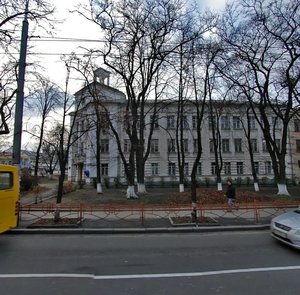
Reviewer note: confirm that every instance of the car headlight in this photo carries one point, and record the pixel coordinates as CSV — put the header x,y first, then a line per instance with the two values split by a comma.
x,y
297,232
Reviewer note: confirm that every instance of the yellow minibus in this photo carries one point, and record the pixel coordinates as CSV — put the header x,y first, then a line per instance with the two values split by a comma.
x,y
9,197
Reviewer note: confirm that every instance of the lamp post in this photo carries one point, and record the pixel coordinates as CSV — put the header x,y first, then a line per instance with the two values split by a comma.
x,y
20,92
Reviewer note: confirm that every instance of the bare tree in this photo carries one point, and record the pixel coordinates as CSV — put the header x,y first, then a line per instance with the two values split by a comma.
x,y
49,152
7,92
11,11
39,12
263,37
43,99
140,36
65,134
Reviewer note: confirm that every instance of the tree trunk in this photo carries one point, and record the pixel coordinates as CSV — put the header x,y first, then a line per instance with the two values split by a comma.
x,y
141,187
130,194
256,186
181,187
99,188
282,189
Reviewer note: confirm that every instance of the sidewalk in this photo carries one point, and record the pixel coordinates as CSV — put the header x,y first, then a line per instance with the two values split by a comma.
x,y
115,220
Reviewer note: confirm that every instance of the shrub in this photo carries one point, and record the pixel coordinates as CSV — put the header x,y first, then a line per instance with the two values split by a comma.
x,y
117,182
106,182
28,181
69,187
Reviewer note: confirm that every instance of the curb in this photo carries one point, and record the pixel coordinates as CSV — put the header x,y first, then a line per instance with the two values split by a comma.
x,y
202,229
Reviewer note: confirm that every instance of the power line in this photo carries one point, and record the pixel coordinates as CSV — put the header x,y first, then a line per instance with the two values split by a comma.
x,y
46,53
65,39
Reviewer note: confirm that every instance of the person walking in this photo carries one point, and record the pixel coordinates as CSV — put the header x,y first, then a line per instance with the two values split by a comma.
x,y
230,194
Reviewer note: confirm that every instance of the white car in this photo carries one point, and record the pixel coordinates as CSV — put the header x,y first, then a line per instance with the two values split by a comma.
x,y
286,228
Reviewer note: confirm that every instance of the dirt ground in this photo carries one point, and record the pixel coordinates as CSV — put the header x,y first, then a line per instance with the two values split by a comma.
x,y
170,195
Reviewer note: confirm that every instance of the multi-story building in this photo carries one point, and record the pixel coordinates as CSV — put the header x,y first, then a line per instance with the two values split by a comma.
x,y
161,165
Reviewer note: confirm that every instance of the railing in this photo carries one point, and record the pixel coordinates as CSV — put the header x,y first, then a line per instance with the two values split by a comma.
x,y
144,215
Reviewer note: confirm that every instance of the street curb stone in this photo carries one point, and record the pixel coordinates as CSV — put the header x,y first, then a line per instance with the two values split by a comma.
x,y
195,229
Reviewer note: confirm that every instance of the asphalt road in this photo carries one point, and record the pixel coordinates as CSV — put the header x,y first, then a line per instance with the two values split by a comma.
x,y
195,263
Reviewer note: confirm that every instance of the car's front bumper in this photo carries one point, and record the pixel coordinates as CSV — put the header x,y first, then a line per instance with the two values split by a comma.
x,y
288,238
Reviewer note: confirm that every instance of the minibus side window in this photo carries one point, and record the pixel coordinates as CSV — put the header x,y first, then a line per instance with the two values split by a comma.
x,y
6,180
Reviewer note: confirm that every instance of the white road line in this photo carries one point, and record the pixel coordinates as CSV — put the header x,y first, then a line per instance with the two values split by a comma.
x,y
148,276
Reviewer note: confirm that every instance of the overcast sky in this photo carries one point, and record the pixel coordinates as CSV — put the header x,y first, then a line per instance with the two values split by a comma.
x,y
49,52
75,26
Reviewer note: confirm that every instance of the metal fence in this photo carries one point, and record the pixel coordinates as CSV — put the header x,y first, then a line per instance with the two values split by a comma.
x,y
143,215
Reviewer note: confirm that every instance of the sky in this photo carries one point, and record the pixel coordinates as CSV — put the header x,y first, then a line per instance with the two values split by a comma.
x,y
75,27
48,52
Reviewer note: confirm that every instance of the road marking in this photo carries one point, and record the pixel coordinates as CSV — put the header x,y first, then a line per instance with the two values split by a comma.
x,y
148,276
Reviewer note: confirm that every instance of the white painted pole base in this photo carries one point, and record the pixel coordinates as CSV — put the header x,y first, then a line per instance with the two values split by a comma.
x,y
256,187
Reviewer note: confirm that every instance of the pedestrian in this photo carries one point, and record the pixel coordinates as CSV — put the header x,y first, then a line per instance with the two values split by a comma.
x,y
230,194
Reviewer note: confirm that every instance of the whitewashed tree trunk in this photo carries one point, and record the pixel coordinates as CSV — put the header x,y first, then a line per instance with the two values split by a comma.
x,y
181,187
99,188
131,193
219,185
256,187
141,187
282,189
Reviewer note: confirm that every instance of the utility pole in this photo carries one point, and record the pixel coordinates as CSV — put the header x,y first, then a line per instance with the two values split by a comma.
x,y
20,92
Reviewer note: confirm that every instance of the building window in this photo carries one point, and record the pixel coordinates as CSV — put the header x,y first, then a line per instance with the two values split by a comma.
x,y
213,168
212,122
264,145
275,123
171,146
186,169
195,145
154,120
256,167
154,169
240,168
277,143
211,146
170,122
126,145
238,145
253,142
297,125
185,122
236,122
81,148
185,143
194,122
104,120
225,122
172,169
252,122
225,145
199,169
104,145
104,169
298,145
227,168
154,146
268,167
